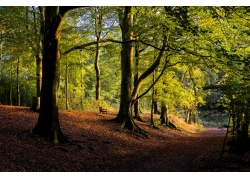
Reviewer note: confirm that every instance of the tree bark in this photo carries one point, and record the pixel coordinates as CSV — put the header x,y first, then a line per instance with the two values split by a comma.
x,y
17,83
48,121
66,84
136,77
10,91
1,57
125,111
127,99
97,69
188,114
38,50
98,32
165,119
152,104
164,114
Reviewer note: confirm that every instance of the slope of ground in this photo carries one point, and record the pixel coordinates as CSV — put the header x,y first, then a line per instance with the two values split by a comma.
x,y
98,145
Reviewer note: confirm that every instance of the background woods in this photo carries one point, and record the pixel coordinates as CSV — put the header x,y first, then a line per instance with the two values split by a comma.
x,y
190,62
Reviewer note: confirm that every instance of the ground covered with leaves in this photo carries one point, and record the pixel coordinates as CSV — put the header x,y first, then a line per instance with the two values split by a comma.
x,y
98,145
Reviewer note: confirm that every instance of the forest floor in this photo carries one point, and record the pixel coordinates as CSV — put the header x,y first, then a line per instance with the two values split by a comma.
x,y
98,145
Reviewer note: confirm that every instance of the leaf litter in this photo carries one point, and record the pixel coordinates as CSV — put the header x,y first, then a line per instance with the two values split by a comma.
x,y
98,145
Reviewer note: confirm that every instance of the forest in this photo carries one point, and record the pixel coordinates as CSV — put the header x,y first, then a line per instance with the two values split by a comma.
x,y
190,62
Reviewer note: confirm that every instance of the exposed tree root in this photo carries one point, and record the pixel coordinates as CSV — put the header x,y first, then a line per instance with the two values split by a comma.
x,y
52,136
172,126
138,118
135,129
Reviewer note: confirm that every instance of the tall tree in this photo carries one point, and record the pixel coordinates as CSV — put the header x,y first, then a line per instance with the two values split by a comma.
x,y
129,97
48,121
98,33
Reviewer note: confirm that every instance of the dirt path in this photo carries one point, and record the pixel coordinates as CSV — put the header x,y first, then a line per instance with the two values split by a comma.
x,y
187,154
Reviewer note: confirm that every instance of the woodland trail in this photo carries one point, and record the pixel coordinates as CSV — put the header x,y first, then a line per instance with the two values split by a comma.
x,y
98,145
187,153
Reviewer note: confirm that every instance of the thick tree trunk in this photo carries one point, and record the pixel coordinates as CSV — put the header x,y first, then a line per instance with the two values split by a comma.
x,y
48,121
125,117
125,112
127,98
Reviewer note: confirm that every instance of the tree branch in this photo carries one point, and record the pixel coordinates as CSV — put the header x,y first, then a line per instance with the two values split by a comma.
x,y
105,41
149,70
150,87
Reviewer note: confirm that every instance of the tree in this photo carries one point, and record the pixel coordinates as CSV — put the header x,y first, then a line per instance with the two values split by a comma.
x,y
129,97
48,121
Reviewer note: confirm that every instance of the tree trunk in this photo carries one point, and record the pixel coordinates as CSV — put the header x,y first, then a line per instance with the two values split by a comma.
x,y
10,91
152,104
98,32
48,121
155,103
188,118
97,70
35,105
125,117
127,99
164,114
136,77
186,115
1,57
66,84
165,119
38,54
17,83
125,112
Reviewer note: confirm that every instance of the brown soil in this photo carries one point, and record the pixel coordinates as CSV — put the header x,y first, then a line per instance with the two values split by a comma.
x,y
98,145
